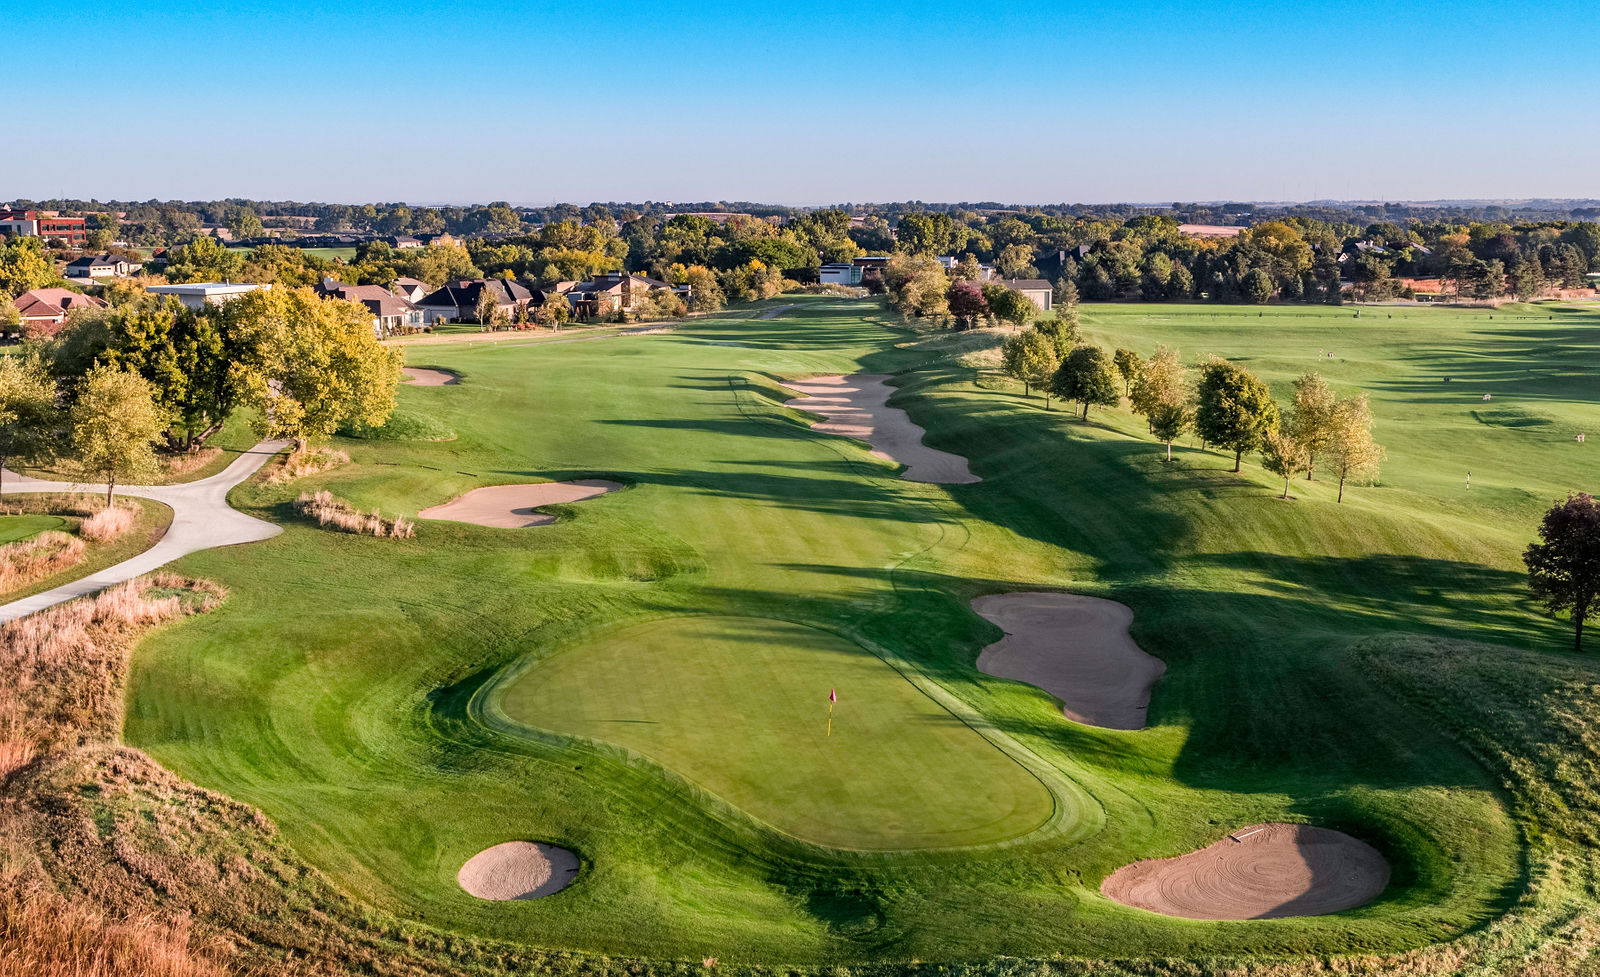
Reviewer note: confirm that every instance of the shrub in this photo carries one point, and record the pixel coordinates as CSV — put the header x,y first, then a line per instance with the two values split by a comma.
x,y
328,510
189,461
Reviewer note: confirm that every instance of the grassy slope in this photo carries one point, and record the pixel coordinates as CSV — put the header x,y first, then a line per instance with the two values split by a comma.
x,y
334,689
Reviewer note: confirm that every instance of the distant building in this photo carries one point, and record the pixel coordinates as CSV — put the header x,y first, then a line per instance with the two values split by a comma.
x,y
857,271
1037,290
409,289
391,313
608,292
99,266
403,243
198,295
33,223
48,307
458,301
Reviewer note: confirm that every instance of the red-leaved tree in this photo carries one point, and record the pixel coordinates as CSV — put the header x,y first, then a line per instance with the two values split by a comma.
x,y
1564,569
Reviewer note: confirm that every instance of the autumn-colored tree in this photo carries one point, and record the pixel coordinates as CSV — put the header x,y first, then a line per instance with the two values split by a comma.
x,y
1283,454
114,423
1032,357
24,266
1311,416
1564,569
1352,453
966,302
1127,363
315,365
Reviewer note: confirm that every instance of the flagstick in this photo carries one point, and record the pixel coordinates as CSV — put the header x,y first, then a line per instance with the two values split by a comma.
x,y
830,719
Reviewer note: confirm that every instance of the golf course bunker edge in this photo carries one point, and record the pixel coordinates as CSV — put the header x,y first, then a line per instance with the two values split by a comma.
x,y
1077,649
857,406
1266,871
422,376
515,506
518,870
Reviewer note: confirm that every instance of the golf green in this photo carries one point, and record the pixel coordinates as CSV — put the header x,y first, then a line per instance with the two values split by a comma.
x,y
740,706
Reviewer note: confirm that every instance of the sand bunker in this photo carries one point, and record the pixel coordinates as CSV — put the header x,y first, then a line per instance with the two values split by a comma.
x,y
518,870
856,406
512,506
424,377
1263,872
1077,649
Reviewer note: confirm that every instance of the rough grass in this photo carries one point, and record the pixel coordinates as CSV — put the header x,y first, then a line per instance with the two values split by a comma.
x,y
107,524
333,512
45,555
302,462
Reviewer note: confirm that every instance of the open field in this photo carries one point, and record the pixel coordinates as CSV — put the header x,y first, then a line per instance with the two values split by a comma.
x,y
633,681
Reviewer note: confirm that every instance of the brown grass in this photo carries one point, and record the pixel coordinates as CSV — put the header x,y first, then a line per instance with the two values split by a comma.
x,y
299,464
29,560
330,511
105,525
190,461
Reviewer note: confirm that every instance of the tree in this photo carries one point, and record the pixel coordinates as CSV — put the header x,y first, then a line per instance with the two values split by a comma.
x,y
1283,454
1311,416
1032,357
243,224
1564,569
1235,409
1180,284
114,424
705,295
1085,376
1015,261
1127,363
1160,392
1168,422
486,306
1009,305
1066,293
23,266
966,302
1352,453
29,418
204,260
315,365
1256,286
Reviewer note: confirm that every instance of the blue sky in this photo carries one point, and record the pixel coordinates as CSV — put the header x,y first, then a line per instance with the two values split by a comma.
x,y
804,103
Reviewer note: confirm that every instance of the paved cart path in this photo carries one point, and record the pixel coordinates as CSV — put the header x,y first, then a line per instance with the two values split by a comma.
x,y
201,520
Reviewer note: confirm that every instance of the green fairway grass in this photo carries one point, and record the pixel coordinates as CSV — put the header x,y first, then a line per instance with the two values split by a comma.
x,y
17,528
643,680
740,706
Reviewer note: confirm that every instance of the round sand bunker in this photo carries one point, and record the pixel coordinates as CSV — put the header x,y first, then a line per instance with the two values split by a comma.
x,y
518,870
512,506
1267,871
421,376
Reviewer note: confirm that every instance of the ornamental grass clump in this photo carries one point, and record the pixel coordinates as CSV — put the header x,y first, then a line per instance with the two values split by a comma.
x,y
107,524
331,511
30,560
306,461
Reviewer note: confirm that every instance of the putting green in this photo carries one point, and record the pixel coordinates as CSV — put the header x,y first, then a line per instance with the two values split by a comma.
x,y
739,706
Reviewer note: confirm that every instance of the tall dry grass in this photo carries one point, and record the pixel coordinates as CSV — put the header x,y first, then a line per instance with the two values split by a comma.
x,y
43,935
190,461
311,461
107,524
329,510
30,560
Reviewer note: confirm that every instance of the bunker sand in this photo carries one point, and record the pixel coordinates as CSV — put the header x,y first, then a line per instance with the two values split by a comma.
x,y
513,506
1267,871
856,406
421,376
518,870
1077,649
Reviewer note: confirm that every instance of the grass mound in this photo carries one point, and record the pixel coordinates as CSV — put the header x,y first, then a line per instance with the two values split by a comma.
x,y
403,425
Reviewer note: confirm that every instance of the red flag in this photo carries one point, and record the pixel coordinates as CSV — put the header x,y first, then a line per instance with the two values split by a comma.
x,y
833,696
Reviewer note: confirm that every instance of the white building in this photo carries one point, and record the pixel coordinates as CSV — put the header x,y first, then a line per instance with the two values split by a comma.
x,y
198,295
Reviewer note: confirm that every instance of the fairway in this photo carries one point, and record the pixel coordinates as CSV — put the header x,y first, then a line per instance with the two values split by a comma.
x,y
740,707
643,679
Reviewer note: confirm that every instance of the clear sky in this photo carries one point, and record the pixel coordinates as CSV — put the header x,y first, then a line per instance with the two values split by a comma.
x,y
437,101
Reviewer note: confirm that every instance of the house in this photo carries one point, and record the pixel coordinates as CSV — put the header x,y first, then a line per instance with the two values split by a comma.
x,y
855,272
391,313
48,307
1037,290
458,301
401,242
198,295
611,291
409,289
99,266
836,273
45,224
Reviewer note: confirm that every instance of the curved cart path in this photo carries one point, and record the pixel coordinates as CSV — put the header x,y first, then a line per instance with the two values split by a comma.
x,y
201,520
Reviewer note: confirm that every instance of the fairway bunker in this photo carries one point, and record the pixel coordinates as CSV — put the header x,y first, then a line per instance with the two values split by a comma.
x,y
856,406
1267,871
518,870
1077,649
513,506
421,376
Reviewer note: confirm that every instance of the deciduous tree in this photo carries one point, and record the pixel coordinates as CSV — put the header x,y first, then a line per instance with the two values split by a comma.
x,y
1352,453
1311,416
1032,357
1564,568
1283,454
1085,376
1127,363
1235,409
30,423
114,424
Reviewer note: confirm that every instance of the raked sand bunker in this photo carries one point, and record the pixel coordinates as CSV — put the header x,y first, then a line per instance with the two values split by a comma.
x,y
513,506
1267,871
518,870
856,406
1077,649
421,376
